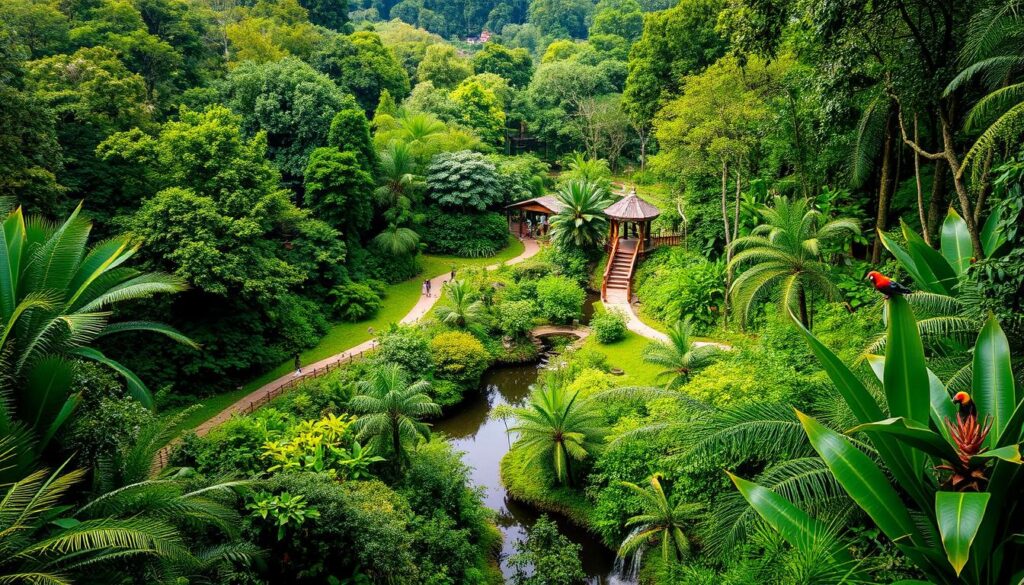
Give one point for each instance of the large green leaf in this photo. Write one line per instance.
(991, 237)
(866, 409)
(929, 261)
(924, 281)
(942, 406)
(792, 523)
(913, 433)
(955, 242)
(994, 393)
(862, 480)
(959, 516)
(906, 376)
(1009, 453)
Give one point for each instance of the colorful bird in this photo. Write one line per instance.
(886, 285)
(966, 403)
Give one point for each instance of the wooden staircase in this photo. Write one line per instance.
(618, 274)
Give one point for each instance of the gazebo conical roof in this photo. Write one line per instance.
(632, 208)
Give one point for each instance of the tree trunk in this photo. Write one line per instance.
(920, 193)
(736, 208)
(985, 186)
(802, 300)
(396, 443)
(568, 466)
(949, 150)
(884, 193)
(728, 240)
(937, 204)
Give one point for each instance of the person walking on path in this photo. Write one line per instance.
(430, 285)
(453, 272)
(529, 228)
(425, 290)
(298, 365)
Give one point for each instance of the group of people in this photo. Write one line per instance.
(538, 228)
(427, 285)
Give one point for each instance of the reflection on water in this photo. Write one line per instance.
(485, 441)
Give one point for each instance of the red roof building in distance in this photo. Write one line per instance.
(485, 35)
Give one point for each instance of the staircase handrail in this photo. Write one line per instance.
(608, 269)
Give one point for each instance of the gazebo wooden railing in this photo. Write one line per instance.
(608, 268)
(665, 240)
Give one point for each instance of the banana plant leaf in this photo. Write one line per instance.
(913, 434)
(955, 242)
(862, 480)
(994, 393)
(959, 516)
(929, 261)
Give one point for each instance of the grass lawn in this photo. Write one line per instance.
(399, 300)
(625, 355)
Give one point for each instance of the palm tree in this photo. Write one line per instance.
(994, 52)
(461, 311)
(39, 545)
(592, 170)
(786, 253)
(662, 520)
(558, 426)
(679, 356)
(55, 301)
(397, 241)
(582, 222)
(399, 183)
(418, 129)
(391, 408)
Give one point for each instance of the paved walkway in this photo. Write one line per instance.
(617, 301)
(423, 305)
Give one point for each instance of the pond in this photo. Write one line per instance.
(485, 441)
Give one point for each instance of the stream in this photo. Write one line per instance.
(484, 442)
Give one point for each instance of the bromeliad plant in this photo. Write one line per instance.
(955, 476)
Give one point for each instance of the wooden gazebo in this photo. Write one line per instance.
(538, 210)
(631, 214)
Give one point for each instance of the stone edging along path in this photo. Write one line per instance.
(274, 388)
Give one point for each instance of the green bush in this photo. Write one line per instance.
(407, 347)
(515, 318)
(107, 420)
(609, 326)
(446, 393)
(560, 299)
(470, 235)
(463, 180)
(357, 301)
(459, 357)
(673, 283)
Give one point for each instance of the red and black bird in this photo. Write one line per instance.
(886, 285)
(966, 404)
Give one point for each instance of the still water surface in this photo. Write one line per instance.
(484, 441)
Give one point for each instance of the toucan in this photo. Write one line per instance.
(966, 403)
(886, 285)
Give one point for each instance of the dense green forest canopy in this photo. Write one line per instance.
(200, 197)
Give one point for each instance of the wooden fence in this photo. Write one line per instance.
(164, 454)
(665, 240)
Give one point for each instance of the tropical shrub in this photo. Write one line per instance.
(672, 284)
(679, 356)
(56, 297)
(405, 346)
(546, 557)
(107, 419)
(391, 409)
(463, 180)
(962, 525)
(581, 224)
(357, 301)
(609, 326)
(560, 299)
(459, 357)
(363, 526)
(470, 235)
(516, 317)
